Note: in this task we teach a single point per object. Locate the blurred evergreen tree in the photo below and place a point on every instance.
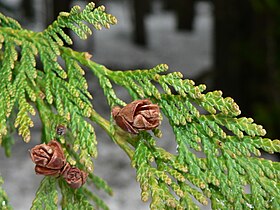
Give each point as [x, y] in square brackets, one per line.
[28, 8]
[246, 57]
[185, 11]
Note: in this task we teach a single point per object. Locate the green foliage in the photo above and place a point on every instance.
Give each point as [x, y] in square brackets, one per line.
[217, 153]
[269, 5]
[47, 195]
[59, 93]
[4, 204]
[231, 146]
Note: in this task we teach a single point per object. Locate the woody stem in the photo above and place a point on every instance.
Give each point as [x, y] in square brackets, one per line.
[122, 139]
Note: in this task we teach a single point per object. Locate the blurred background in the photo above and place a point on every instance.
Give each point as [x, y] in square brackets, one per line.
[232, 45]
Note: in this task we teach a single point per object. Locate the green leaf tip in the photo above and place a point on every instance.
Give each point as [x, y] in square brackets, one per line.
[75, 19]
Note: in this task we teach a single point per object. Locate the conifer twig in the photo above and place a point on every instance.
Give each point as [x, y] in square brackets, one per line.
[119, 137]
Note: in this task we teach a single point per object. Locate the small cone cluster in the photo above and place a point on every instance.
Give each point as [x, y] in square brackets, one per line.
[50, 161]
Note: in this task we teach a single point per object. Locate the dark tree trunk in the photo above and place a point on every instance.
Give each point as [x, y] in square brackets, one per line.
[167, 5]
[184, 10]
[140, 8]
[28, 8]
[233, 28]
[245, 57]
[53, 8]
[59, 6]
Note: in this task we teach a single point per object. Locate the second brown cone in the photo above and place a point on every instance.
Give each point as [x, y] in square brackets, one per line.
[50, 161]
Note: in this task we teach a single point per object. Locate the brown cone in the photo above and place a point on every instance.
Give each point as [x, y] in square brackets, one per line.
[136, 116]
[74, 176]
[49, 158]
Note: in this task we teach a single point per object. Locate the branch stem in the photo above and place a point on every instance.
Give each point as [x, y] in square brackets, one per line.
[122, 140]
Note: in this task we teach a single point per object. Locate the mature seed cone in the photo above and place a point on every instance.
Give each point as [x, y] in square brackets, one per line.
[49, 158]
[136, 116]
[74, 176]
